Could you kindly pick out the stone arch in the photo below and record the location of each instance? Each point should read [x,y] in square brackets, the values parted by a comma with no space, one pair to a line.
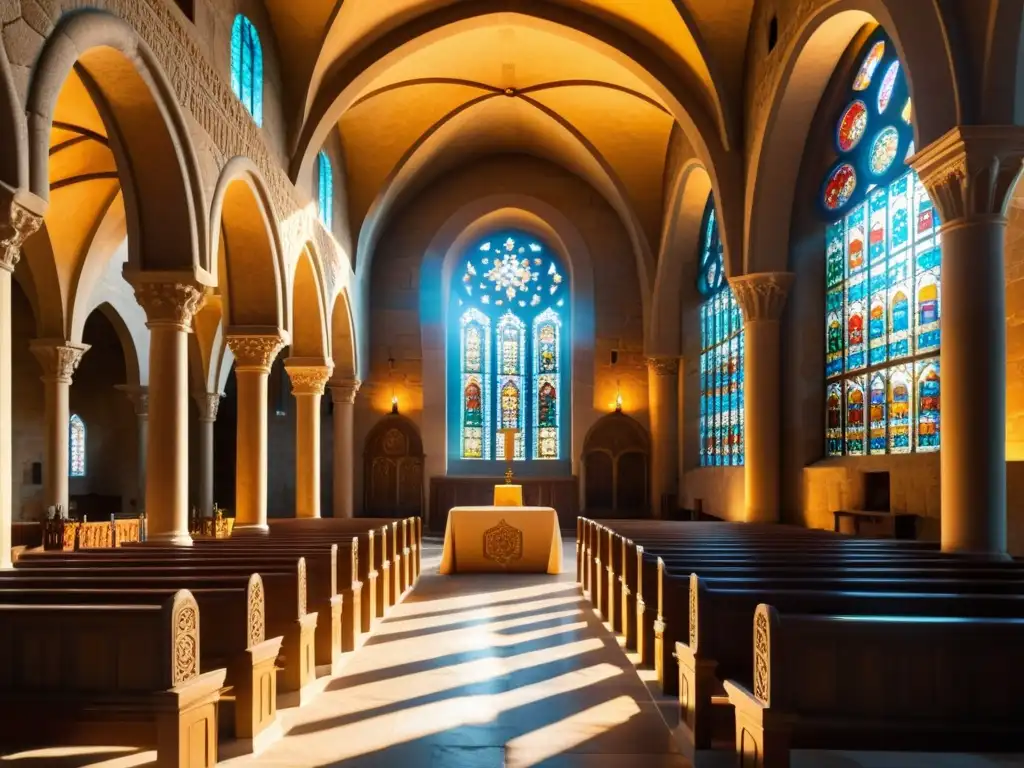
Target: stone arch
[680,244]
[468,224]
[249,267]
[14,157]
[157,166]
[343,339]
[135,364]
[807,65]
[310,337]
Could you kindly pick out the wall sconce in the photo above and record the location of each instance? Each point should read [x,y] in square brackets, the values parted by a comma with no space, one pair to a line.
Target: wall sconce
[394,403]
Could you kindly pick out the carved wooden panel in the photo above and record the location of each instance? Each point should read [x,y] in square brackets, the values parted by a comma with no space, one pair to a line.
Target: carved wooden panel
[616,460]
[599,489]
[393,461]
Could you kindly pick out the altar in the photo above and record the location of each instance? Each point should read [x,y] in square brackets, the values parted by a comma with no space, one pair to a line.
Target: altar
[498,539]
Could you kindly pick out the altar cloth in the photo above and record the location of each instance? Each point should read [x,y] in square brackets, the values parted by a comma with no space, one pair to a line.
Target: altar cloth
[502,540]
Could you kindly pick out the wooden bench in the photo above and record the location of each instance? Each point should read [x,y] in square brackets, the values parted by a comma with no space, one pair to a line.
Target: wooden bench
[109,675]
[935,684]
[719,644]
[284,583]
[233,639]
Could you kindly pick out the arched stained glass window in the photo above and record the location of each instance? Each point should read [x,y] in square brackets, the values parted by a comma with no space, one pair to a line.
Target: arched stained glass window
[721,359]
[325,189]
[247,67]
[510,309]
[882,262]
[76,446]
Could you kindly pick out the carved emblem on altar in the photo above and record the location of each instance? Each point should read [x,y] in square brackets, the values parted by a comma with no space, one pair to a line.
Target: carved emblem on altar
[503,543]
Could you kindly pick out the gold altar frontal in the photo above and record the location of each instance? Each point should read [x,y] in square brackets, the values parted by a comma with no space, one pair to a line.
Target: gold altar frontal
[502,540]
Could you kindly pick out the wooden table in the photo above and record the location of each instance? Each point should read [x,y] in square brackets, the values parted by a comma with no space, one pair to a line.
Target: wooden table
[502,539]
[904,525]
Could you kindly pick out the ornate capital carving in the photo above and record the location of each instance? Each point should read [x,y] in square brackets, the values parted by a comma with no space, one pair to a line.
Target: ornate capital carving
[172,303]
[209,404]
[139,397]
[663,366]
[971,171]
[58,358]
[255,352]
[762,295]
[308,379]
[16,227]
[344,392]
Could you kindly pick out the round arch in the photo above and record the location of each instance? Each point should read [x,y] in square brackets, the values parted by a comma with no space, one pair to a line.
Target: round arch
[343,339]
[808,64]
[14,158]
[135,365]
[464,227]
[156,162]
[310,337]
[249,269]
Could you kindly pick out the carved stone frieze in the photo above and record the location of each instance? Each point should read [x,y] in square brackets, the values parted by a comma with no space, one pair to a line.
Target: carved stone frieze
[308,379]
[762,296]
[344,392]
[255,352]
[172,303]
[971,171]
[209,404]
[59,359]
[663,366]
[15,228]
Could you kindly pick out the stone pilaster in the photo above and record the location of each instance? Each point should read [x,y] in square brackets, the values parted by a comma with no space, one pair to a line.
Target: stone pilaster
[308,381]
[209,404]
[254,355]
[762,298]
[139,397]
[343,393]
[663,399]
[59,360]
[970,173]
[17,224]
[170,303]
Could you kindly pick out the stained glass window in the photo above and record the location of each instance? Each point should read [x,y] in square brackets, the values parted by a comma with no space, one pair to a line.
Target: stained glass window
[883,288]
[511,298]
[247,67]
[76,446]
[325,189]
[721,359]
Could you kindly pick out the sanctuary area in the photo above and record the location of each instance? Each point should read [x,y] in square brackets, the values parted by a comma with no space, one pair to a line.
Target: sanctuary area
[564,383]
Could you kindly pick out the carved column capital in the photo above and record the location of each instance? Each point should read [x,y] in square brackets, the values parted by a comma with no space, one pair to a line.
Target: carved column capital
[762,295]
[663,366]
[171,303]
[255,352]
[59,359]
[209,404]
[139,397]
[16,227]
[971,171]
[343,391]
[308,379]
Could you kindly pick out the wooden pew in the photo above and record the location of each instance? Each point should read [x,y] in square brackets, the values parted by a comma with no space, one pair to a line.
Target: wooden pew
[77,674]
[233,639]
[719,644]
[286,607]
[935,684]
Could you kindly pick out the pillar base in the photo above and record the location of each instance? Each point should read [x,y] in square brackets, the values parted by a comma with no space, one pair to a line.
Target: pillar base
[172,539]
[250,530]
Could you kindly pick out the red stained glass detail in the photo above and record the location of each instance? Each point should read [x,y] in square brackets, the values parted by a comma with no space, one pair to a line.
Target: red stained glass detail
[840,187]
[852,125]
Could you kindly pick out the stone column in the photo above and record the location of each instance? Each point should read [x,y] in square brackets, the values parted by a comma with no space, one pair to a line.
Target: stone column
[663,399]
[59,360]
[170,306]
[308,383]
[254,356]
[970,173]
[762,297]
[344,395]
[209,404]
[17,223]
[139,397]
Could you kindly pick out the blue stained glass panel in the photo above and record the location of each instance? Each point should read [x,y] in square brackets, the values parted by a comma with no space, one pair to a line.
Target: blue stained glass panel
[247,67]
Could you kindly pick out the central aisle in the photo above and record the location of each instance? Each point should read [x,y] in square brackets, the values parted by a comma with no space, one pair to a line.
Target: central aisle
[483,671]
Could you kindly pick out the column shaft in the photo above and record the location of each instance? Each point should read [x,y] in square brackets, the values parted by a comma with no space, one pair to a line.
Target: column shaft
[344,395]
[663,398]
[308,380]
[209,403]
[254,356]
[973,370]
